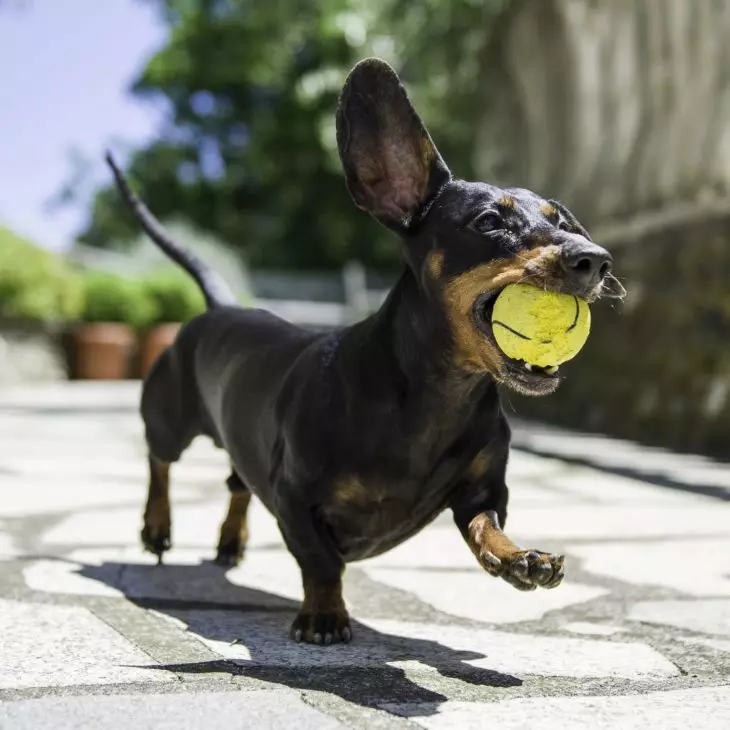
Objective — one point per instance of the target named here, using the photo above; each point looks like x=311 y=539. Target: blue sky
x=65 y=67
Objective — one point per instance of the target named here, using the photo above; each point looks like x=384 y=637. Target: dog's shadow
x=249 y=629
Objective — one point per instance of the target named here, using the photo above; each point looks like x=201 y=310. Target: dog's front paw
x=156 y=532
x=526 y=570
x=322 y=628
x=230 y=553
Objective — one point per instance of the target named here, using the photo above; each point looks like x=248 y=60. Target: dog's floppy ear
x=392 y=167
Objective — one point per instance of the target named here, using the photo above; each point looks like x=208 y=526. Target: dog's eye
x=487 y=222
x=563 y=225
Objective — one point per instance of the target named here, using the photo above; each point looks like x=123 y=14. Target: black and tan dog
x=357 y=439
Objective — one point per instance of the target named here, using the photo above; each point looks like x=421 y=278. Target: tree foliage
x=248 y=150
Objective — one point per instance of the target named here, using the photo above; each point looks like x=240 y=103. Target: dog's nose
x=585 y=262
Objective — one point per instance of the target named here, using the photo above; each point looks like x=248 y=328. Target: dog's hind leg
x=170 y=426
x=156 y=532
x=234 y=530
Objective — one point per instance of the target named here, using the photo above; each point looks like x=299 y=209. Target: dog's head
x=464 y=241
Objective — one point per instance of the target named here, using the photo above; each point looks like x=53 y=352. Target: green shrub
x=176 y=297
x=110 y=298
x=36 y=284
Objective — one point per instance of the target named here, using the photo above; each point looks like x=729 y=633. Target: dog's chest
x=369 y=515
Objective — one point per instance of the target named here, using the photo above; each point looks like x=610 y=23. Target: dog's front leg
x=480 y=510
x=322 y=618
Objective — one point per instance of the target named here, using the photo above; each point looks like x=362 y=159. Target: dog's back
x=184 y=395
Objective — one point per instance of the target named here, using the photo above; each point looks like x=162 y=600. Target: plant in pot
x=39 y=295
x=114 y=310
x=176 y=299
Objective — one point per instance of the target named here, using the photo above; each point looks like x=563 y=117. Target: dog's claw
x=531 y=569
x=322 y=629
x=521 y=567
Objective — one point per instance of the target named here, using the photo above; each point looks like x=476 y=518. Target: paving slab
x=51 y=646
x=704 y=616
x=697 y=567
x=701 y=709
x=230 y=710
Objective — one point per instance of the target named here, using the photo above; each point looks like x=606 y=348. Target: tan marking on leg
x=323 y=617
x=322 y=598
x=485 y=534
x=234 y=530
x=157 y=523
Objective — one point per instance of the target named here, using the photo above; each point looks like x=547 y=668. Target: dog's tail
x=215 y=290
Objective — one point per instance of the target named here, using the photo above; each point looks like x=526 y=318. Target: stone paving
x=96 y=635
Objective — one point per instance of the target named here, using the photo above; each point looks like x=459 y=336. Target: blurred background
x=222 y=113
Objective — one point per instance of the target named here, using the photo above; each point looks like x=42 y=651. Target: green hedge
x=110 y=298
x=175 y=297
x=39 y=285
x=36 y=284
x=161 y=297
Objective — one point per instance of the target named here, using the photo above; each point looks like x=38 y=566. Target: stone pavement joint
x=95 y=634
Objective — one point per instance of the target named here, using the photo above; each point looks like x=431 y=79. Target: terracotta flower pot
x=154 y=343
x=103 y=350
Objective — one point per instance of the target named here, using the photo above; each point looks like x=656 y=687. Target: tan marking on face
x=473 y=351
x=548 y=210
x=507 y=201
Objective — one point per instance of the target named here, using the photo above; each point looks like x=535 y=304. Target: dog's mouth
x=522 y=376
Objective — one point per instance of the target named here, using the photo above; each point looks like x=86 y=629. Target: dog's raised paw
x=526 y=570
x=322 y=628
x=530 y=569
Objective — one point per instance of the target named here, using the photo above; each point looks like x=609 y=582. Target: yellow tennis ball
x=542 y=328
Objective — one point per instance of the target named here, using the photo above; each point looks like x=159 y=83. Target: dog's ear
x=392 y=167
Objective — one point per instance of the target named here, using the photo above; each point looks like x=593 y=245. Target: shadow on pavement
x=253 y=625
